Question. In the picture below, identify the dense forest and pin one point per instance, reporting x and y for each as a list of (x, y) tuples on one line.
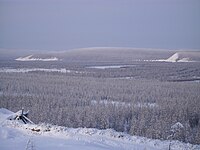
[(143, 104)]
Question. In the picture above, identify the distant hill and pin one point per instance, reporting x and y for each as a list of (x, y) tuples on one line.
[(99, 54), (113, 54)]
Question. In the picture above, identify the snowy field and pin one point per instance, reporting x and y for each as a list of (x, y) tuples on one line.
[(29, 58), (111, 67), (14, 135), (25, 70), (114, 53)]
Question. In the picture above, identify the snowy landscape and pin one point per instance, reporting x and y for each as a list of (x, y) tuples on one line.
[(110, 101), (182, 56), (17, 135), (99, 75)]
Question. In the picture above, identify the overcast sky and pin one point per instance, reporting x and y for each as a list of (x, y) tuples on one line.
[(66, 24)]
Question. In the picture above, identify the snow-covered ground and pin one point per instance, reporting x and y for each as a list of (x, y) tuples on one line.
[(25, 70), (15, 135), (106, 102), (177, 57), (124, 104), (110, 66), (30, 58)]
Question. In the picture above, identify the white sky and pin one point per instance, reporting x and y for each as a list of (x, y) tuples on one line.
[(66, 24)]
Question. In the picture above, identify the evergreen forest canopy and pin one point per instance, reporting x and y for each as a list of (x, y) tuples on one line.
[(140, 98)]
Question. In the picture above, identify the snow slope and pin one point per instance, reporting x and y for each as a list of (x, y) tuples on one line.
[(31, 58), (98, 54), (115, 54), (183, 57), (179, 57), (176, 58), (17, 136)]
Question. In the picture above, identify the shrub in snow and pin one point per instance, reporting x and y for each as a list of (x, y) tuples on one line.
[(177, 131)]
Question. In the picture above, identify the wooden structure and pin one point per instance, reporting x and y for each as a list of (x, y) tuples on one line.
[(21, 115)]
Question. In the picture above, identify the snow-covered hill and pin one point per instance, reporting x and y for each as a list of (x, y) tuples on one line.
[(14, 135), (98, 54), (32, 58), (115, 54)]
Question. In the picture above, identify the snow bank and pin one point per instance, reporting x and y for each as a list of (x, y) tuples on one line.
[(4, 114), (15, 135), (4, 111)]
